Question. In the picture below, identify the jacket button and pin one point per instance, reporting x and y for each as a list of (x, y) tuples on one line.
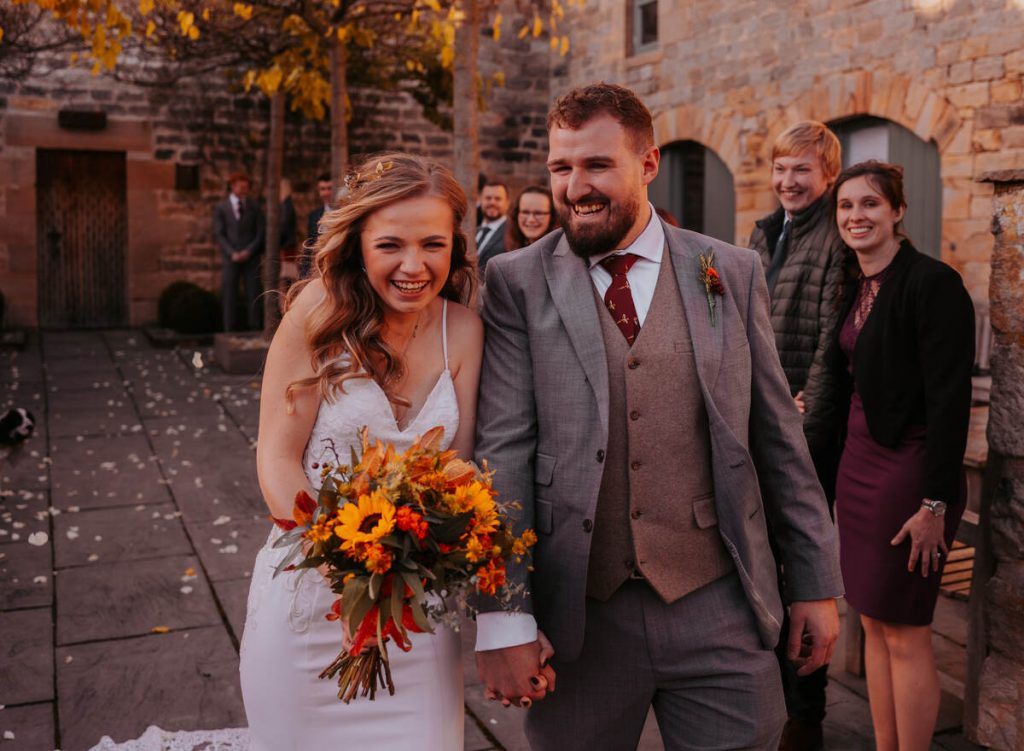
[(634, 415), (634, 465), (636, 514), (588, 525), (600, 456), (633, 363)]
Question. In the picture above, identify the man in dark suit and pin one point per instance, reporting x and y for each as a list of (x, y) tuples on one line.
[(239, 229), (490, 235), (325, 192), (633, 404)]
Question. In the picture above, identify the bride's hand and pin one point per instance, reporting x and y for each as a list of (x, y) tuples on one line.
[(347, 641)]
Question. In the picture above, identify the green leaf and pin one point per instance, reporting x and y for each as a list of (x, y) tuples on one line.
[(450, 530), (420, 617), (352, 595), (375, 582)]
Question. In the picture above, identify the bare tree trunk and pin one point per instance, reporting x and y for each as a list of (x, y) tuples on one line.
[(466, 115), (339, 112), (272, 253)]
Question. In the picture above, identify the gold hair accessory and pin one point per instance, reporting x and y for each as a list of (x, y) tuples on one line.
[(356, 180)]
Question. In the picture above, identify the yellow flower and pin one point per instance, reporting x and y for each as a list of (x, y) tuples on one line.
[(378, 559), (474, 549), (366, 522), (475, 497)]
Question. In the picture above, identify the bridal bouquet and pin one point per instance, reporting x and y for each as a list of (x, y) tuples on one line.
[(389, 529)]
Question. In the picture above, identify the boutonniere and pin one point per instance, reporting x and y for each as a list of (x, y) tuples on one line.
[(711, 280)]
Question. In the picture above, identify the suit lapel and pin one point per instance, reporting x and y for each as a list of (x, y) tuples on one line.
[(572, 291), (707, 339)]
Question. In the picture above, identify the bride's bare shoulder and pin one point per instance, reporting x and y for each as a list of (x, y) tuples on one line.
[(464, 323)]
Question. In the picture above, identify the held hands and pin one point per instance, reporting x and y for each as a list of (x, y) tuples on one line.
[(799, 399), (926, 532), (521, 671), (813, 631)]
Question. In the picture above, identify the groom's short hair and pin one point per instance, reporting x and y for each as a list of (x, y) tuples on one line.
[(581, 105)]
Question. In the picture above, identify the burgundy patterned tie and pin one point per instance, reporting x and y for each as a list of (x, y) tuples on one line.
[(618, 299)]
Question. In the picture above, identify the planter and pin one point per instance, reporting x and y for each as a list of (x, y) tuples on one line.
[(240, 353)]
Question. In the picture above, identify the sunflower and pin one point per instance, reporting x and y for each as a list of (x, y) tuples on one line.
[(367, 521)]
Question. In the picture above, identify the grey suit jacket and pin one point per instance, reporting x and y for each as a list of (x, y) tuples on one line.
[(492, 246), (543, 418), (232, 235)]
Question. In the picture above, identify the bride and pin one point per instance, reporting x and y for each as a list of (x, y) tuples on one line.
[(378, 338)]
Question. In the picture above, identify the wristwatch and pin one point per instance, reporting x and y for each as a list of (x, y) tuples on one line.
[(937, 508)]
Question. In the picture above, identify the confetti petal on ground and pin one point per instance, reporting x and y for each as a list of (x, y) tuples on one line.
[(160, 630), (36, 538)]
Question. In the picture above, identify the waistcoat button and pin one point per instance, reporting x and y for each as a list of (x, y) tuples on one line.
[(600, 455), (588, 525), (636, 514), (634, 415), (634, 465), (633, 363)]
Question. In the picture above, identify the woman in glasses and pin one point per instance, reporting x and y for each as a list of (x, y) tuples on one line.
[(531, 217)]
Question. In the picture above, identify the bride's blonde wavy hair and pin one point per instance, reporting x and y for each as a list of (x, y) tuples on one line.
[(350, 318)]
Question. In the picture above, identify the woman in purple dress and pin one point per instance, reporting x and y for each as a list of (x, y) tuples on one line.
[(907, 345)]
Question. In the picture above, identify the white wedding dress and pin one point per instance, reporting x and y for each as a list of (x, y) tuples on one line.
[(287, 641)]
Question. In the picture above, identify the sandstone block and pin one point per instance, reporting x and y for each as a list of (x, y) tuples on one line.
[(960, 73), (998, 702), (986, 139), (1006, 413), (1004, 607), (988, 68), (1006, 92), (968, 95)]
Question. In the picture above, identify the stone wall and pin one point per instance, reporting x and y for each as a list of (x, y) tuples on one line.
[(996, 652), (732, 76), (221, 129)]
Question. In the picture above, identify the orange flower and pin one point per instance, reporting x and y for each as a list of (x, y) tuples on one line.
[(378, 559), (490, 577), (412, 522)]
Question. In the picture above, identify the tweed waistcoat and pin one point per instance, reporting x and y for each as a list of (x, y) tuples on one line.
[(655, 508)]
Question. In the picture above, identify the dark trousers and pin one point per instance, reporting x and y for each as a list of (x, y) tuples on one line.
[(805, 695), (699, 662), (248, 273)]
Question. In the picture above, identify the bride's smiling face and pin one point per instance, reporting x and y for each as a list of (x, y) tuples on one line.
[(407, 252)]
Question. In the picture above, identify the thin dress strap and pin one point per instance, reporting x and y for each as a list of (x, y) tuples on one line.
[(444, 331)]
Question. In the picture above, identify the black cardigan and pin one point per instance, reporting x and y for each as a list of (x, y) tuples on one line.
[(913, 363)]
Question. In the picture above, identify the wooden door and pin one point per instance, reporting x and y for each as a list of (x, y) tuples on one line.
[(83, 233)]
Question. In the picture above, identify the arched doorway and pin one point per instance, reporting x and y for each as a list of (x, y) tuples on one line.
[(866, 138), (696, 187)]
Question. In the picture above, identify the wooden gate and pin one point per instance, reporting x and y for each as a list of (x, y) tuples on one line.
[(83, 233)]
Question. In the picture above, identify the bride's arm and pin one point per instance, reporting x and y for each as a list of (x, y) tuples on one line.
[(283, 435), (466, 342)]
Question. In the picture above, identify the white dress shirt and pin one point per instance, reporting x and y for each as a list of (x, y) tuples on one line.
[(497, 630), (236, 204), (495, 226)]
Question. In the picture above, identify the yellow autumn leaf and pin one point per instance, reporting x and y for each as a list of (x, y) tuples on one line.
[(523, 31), (243, 11), (248, 80), (434, 5), (206, 14), (193, 33), (95, 68), (497, 27), (447, 57), (145, 7), (538, 26), (186, 21), (270, 80), (563, 50), (150, 28), (554, 43), (499, 78)]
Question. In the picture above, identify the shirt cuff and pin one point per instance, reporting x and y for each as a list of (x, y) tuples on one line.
[(497, 630)]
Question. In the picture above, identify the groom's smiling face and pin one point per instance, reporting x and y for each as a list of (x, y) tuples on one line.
[(599, 179)]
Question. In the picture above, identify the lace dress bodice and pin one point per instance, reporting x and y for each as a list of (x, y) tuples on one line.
[(363, 402)]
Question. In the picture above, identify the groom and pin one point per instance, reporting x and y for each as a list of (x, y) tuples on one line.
[(643, 422)]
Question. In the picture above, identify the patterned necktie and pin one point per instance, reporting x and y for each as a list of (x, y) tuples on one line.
[(481, 235), (619, 299)]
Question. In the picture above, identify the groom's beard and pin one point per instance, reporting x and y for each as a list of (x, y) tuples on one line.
[(592, 238)]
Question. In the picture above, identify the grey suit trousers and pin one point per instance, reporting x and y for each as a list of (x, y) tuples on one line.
[(699, 662)]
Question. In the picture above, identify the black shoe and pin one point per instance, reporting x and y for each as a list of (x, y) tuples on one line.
[(799, 735)]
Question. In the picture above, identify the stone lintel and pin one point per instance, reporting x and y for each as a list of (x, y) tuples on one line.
[(1002, 176)]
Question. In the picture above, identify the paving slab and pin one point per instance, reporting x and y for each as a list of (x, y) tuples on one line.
[(26, 656), (116, 600), (210, 465), (111, 397), (228, 546), (86, 422), (22, 513), (26, 576), (120, 534), (234, 596), (127, 339), (32, 726), (94, 472), (186, 680), (25, 466)]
